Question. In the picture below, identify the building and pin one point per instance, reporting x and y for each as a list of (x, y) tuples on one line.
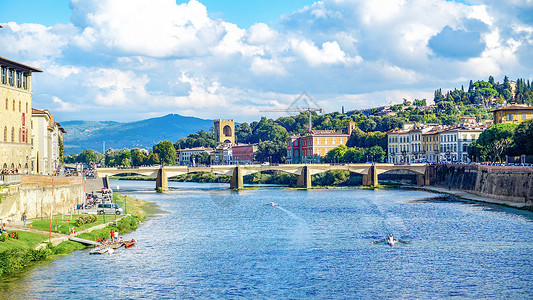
[(222, 155), (183, 156), (430, 145), (15, 115), (243, 154), (224, 131), (46, 137), (512, 114), (453, 143), (313, 146)]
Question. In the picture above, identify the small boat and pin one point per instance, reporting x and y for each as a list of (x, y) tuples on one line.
[(129, 244), (102, 250)]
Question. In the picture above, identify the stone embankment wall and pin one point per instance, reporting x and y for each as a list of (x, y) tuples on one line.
[(38, 196), (514, 184)]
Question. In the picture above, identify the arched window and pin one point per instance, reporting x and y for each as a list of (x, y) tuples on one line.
[(20, 106), (20, 135), (5, 134), (12, 134), (13, 105), (26, 107)]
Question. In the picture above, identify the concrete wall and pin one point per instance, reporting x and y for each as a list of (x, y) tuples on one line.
[(504, 183), (38, 200)]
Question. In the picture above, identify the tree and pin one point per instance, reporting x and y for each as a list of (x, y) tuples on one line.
[(201, 158), (61, 148), (138, 157), (523, 138), (271, 151), (367, 125), (498, 137), (87, 156), (166, 151)]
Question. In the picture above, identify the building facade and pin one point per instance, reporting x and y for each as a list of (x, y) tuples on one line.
[(312, 147), (15, 115), (46, 138), (243, 154), (183, 156), (512, 114)]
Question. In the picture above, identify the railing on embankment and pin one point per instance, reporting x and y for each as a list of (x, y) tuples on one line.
[(48, 181), (9, 179)]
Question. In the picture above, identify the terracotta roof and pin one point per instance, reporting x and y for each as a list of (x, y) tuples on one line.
[(513, 107)]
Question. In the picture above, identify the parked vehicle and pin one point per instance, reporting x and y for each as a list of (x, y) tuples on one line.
[(109, 208)]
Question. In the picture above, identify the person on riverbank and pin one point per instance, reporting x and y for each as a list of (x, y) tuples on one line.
[(111, 235), (116, 236), (24, 218)]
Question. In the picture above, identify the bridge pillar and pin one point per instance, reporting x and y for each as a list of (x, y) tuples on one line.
[(161, 182), (421, 179), (236, 181), (105, 182), (371, 179), (304, 179)]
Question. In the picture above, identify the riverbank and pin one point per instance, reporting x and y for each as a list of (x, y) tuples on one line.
[(473, 197), (31, 243)]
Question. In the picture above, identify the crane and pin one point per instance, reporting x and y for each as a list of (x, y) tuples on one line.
[(308, 101)]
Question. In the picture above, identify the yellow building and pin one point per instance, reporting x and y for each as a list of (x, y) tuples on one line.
[(512, 114), (15, 115), (430, 145), (224, 131), (313, 146)]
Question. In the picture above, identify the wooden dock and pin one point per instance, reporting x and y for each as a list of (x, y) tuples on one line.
[(83, 241)]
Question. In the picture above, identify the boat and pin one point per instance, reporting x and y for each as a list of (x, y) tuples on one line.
[(129, 244), (102, 250)]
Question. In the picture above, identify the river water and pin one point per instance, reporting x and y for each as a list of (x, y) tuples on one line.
[(215, 243)]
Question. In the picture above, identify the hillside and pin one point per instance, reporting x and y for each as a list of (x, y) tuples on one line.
[(83, 135)]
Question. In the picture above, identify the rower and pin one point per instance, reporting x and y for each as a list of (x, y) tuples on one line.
[(390, 239)]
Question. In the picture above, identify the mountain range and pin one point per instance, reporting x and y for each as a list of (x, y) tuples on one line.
[(143, 134)]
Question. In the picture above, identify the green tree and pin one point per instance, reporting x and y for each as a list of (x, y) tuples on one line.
[(498, 137), (87, 156), (166, 152), (523, 138), (271, 151)]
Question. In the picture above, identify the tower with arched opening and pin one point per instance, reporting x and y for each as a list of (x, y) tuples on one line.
[(224, 131)]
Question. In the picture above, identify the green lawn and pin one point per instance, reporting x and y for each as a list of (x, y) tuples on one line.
[(25, 240), (60, 223)]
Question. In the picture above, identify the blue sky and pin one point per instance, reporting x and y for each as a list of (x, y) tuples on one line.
[(128, 60)]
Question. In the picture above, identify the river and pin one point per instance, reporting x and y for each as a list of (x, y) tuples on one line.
[(215, 243)]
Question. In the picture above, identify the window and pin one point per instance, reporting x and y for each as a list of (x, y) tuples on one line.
[(13, 105), (26, 107), (342, 141), (524, 116), (327, 141), (5, 134), (19, 79), (4, 75), (464, 147), (318, 141), (20, 135), (11, 77), (25, 81), (334, 141), (12, 134), (20, 106), (318, 151), (510, 117)]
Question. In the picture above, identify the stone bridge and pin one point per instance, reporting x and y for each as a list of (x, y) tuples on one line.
[(303, 172)]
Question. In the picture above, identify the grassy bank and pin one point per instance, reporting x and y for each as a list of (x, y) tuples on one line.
[(15, 254)]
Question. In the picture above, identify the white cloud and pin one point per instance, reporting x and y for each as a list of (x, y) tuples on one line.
[(62, 106), (148, 58)]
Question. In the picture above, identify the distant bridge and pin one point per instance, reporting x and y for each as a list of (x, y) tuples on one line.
[(303, 172)]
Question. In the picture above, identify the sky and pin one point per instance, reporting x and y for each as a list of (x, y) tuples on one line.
[(128, 60)]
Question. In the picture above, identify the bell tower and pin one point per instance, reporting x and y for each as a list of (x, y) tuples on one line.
[(224, 131)]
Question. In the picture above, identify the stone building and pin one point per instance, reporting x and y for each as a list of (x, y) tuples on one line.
[(512, 114), (313, 146), (224, 131), (15, 115), (45, 140)]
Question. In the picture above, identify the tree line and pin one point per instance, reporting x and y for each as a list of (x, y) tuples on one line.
[(270, 135)]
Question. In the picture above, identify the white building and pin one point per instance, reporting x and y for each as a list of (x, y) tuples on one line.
[(47, 135), (184, 155)]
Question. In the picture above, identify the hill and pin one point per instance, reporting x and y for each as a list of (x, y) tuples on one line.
[(83, 135)]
